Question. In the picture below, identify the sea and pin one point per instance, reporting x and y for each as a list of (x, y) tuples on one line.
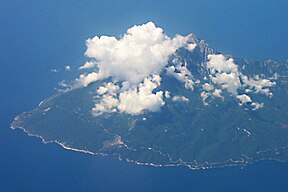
[(39, 38)]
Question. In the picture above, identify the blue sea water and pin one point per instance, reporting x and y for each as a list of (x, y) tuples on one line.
[(37, 36)]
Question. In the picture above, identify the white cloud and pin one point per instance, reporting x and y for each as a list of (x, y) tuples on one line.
[(204, 96), (85, 80), (136, 60), (67, 68), (109, 88), (226, 73), (244, 99), (229, 81), (167, 94), (144, 50), (208, 87), (257, 105), (55, 70), (133, 101), (180, 98), (218, 63), (258, 84), (209, 90), (136, 100), (180, 71), (107, 104), (102, 90), (88, 65), (191, 46), (217, 93)]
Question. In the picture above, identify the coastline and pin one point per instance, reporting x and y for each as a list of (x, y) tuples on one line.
[(191, 165)]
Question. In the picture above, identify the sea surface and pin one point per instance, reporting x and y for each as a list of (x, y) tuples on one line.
[(39, 38)]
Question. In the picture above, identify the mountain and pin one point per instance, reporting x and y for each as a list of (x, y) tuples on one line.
[(215, 111)]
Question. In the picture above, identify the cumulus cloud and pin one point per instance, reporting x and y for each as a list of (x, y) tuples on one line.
[(219, 64), (109, 88), (67, 68), (167, 94), (136, 60), (191, 46), (136, 100), (133, 65), (209, 90), (88, 65), (204, 95), (144, 50), (257, 105), (258, 85), (180, 71), (180, 98), (208, 87), (133, 101), (244, 99), (85, 80), (107, 104), (217, 93), (226, 74)]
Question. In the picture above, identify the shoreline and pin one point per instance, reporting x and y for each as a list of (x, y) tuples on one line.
[(191, 165)]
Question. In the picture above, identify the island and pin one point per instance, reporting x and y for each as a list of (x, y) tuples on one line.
[(192, 107)]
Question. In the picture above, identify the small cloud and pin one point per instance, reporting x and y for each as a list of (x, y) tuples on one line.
[(258, 85), (191, 46), (109, 88), (107, 104), (85, 80), (244, 99), (55, 70), (224, 72), (217, 93), (167, 94), (67, 68), (208, 87), (219, 64), (180, 98), (257, 105), (88, 65), (180, 71)]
